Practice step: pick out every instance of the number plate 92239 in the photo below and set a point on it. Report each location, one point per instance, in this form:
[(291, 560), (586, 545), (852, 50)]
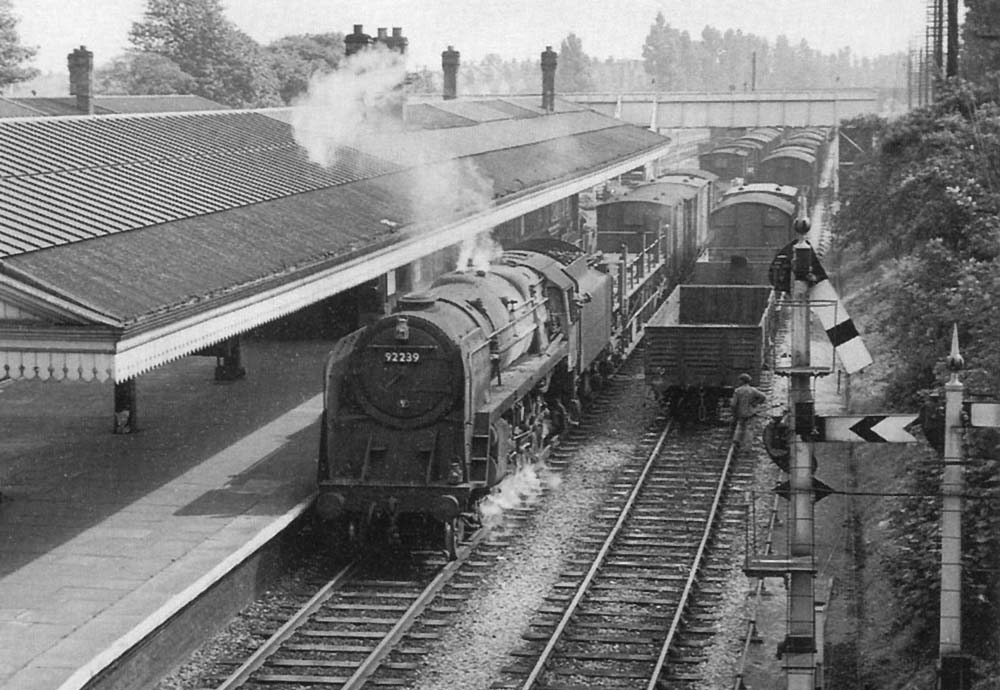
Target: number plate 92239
[(402, 357)]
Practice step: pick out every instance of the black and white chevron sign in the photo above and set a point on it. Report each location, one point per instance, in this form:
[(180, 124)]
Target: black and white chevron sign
[(837, 323), (872, 428)]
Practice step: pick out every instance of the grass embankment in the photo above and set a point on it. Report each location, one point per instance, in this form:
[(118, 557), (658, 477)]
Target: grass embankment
[(862, 650)]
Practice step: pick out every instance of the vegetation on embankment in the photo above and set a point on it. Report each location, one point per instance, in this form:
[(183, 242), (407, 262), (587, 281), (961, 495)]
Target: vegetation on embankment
[(920, 222)]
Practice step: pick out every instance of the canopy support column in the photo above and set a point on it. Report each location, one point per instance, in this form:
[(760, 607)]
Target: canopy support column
[(125, 407)]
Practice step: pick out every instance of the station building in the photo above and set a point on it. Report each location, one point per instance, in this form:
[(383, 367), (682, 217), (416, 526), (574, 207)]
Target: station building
[(130, 240)]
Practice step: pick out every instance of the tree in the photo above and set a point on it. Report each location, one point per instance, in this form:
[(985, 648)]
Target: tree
[(228, 66), (981, 39), (12, 54), (573, 69), (926, 205), (143, 74), (922, 208), (296, 58), (660, 54)]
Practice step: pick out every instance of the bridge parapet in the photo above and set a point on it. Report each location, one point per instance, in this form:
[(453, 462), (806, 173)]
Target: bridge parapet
[(734, 109)]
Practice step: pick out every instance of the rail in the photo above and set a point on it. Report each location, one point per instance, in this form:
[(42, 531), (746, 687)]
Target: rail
[(273, 643), (596, 565), (693, 572), (365, 668)]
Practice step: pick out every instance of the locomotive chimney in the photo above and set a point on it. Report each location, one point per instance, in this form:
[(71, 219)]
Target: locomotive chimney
[(357, 41), (81, 78), (549, 60), (449, 63)]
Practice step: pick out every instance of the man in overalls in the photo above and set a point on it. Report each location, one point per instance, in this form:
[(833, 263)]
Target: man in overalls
[(744, 405)]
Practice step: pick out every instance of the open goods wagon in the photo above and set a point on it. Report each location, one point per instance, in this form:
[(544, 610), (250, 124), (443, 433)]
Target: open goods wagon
[(701, 340)]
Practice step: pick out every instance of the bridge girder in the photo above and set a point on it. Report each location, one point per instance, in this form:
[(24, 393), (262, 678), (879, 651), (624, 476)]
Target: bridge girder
[(755, 109)]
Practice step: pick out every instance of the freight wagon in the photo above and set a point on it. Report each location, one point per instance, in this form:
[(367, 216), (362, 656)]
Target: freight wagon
[(701, 340)]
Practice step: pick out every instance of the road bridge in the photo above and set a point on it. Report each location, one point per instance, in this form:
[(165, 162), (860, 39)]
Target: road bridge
[(733, 109)]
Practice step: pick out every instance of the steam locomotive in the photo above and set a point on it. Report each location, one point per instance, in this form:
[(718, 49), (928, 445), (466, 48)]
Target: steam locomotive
[(430, 407)]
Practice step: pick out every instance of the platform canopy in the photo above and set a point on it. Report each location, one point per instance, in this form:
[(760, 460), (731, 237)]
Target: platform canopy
[(127, 241)]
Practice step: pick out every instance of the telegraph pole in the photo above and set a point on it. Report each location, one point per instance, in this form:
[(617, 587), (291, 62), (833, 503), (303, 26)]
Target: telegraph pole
[(951, 68)]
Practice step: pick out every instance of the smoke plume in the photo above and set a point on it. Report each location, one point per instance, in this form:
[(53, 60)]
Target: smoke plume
[(478, 252), (343, 107), (359, 106)]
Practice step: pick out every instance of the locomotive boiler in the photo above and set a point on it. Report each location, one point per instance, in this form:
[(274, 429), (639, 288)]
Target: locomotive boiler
[(430, 407)]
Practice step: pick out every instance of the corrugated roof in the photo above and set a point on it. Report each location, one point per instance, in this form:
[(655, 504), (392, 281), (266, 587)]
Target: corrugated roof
[(56, 106), (212, 225), (517, 109), (13, 108), (167, 103), (412, 147), (105, 105), (428, 116), (65, 180), (425, 113), (476, 111)]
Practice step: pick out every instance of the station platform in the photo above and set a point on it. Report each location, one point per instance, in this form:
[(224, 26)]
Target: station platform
[(104, 537)]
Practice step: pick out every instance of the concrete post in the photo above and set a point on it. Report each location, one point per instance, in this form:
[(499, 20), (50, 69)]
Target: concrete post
[(952, 486)]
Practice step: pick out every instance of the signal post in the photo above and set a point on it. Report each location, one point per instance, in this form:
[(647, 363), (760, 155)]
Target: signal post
[(800, 640), (953, 666), (796, 270)]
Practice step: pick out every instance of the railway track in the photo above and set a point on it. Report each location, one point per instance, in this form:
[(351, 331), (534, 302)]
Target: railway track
[(636, 603), (346, 630), (376, 617)]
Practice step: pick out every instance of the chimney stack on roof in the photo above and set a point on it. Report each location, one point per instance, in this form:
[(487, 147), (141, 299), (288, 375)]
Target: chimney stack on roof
[(449, 63), (81, 78), (396, 42), (357, 41), (549, 61)]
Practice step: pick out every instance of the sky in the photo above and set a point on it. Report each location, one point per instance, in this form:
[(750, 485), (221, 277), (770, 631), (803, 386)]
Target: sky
[(511, 28)]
